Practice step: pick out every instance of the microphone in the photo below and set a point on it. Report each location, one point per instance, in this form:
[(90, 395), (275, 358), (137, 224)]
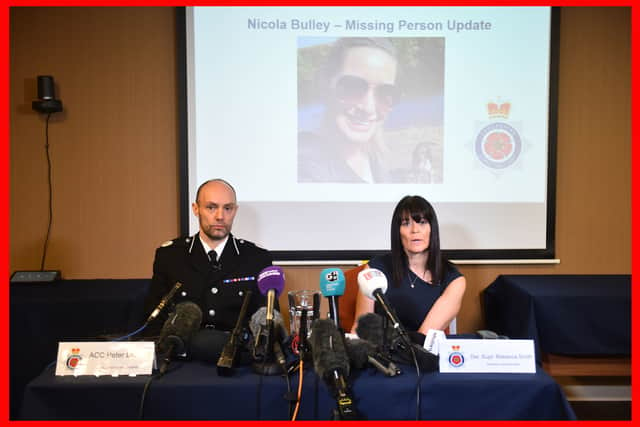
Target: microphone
[(332, 284), (303, 333), (177, 331), (165, 299), (371, 331), (358, 351), (270, 283), (259, 350), (331, 363), (373, 284), (229, 351), (362, 352), (371, 328)]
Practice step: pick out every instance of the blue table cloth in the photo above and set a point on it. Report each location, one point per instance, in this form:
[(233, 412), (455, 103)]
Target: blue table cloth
[(565, 314), (194, 391), (41, 315)]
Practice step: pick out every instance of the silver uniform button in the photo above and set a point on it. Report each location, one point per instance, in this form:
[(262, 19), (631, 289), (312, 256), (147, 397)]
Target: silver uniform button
[(183, 293), (240, 293), (212, 312), (214, 290)]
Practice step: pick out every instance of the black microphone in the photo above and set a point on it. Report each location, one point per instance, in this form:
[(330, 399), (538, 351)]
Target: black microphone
[(177, 332), (165, 299), (228, 356), (383, 364), (362, 353), (370, 329), (332, 285), (391, 346), (331, 363), (260, 340), (303, 341), (373, 284), (358, 351)]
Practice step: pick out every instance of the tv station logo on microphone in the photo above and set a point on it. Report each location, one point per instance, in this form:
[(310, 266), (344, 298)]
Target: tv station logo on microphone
[(268, 272), (456, 358), (371, 273), (498, 144), (332, 276)]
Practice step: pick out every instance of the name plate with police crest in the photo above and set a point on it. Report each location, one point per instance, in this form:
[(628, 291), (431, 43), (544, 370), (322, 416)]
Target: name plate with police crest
[(112, 358), (486, 355)]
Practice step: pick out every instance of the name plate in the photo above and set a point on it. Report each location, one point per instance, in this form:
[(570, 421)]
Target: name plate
[(105, 358), (482, 355)]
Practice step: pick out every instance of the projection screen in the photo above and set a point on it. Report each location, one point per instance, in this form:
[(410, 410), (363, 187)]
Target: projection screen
[(456, 104)]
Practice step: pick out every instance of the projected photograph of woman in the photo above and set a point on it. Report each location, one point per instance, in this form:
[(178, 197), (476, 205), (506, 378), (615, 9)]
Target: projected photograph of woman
[(370, 109)]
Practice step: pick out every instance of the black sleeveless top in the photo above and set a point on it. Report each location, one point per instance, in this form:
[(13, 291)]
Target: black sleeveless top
[(412, 303)]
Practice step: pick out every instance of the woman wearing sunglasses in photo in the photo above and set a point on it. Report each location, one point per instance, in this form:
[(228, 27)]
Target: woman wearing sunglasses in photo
[(357, 83)]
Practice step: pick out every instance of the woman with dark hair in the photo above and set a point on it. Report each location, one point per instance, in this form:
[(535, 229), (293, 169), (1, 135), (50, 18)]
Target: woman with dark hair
[(425, 289), (357, 83)]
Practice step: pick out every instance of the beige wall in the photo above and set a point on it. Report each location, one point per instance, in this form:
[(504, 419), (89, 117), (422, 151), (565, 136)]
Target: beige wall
[(114, 150)]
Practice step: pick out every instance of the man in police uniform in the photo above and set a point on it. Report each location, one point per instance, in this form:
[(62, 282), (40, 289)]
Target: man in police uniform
[(215, 269)]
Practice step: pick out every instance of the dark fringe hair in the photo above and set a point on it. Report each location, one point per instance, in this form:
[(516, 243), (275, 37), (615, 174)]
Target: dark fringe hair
[(417, 208)]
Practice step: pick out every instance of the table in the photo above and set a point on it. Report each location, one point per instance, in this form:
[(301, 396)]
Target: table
[(41, 315), (193, 391), (581, 323), (564, 314)]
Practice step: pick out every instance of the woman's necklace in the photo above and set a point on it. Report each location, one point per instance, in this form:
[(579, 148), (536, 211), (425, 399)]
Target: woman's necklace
[(412, 283)]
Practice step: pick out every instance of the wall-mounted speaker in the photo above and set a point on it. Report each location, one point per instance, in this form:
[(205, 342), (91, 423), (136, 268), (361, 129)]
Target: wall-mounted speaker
[(47, 102)]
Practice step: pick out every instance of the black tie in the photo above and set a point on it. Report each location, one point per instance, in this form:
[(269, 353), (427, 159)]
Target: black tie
[(213, 260)]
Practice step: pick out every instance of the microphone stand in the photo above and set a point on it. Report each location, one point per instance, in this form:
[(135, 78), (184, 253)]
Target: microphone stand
[(228, 356), (268, 367), (274, 362), (303, 342), (304, 348)]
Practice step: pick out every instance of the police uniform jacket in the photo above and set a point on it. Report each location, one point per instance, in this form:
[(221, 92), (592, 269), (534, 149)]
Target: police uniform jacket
[(218, 290)]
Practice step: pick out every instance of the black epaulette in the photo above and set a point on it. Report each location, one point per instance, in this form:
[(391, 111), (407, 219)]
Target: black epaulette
[(178, 242)]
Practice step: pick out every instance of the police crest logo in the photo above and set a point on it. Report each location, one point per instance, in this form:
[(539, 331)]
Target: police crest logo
[(73, 359), (456, 358), (498, 145)]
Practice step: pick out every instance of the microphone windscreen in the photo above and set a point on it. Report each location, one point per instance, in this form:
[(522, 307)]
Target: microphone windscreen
[(181, 323), (259, 332), (258, 322), (174, 343), (271, 277), (371, 279), (328, 348), (358, 351), (332, 282), (370, 328), (207, 344)]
